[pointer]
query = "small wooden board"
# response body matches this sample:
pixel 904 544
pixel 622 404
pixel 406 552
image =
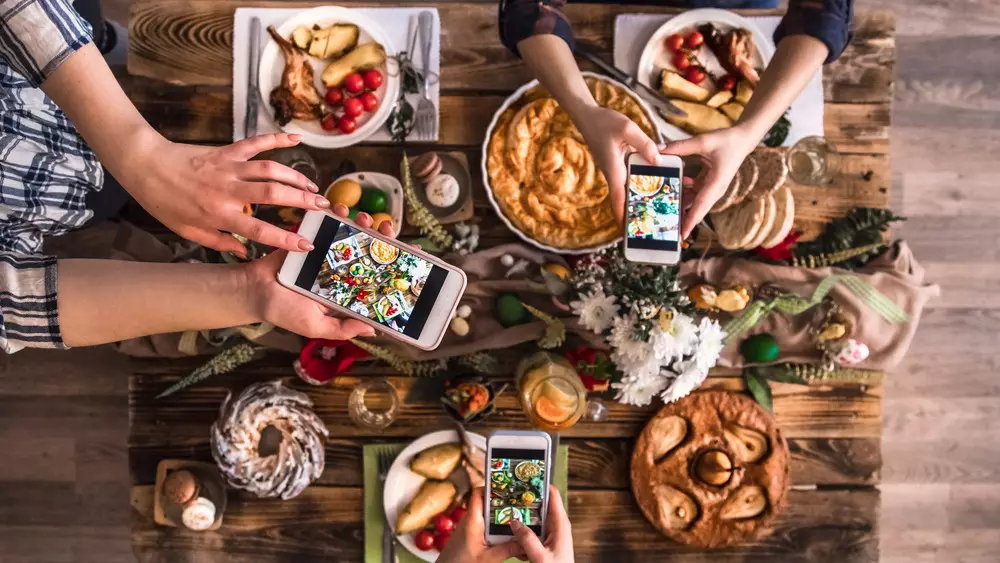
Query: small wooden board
pixel 169 514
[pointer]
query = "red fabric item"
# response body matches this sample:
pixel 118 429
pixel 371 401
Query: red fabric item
pixel 321 360
pixel 587 357
pixel 779 252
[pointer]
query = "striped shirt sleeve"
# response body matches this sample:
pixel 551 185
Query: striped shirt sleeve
pixel 29 313
pixel 36 36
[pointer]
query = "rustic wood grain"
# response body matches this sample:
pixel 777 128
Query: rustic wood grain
pixel 836 525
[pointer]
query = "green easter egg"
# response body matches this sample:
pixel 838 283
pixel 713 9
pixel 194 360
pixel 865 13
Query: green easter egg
pixel 759 348
pixel 352 213
pixel 509 310
pixel 373 201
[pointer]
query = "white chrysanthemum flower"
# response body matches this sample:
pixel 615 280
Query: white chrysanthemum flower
pixel 710 343
pixel 596 311
pixel 684 331
pixel 690 376
pixel 639 391
pixel 629 351
pixel 666 347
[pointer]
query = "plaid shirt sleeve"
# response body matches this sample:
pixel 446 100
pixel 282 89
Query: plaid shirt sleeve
pixel 36 36
pixel 826 20
pixel 29 315
pixel 520 19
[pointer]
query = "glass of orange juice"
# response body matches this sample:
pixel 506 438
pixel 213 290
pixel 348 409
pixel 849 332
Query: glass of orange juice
pixel 550 391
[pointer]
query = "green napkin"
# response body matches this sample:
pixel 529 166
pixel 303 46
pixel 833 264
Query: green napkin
pixel 375 514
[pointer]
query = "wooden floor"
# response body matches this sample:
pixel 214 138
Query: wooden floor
pixel 63 416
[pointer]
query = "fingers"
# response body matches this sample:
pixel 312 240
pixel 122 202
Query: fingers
pixel 616 190
pixel 351 328
pixel 684 147
pixel 341 210
pixel 249 148
pixel 385 227
pixel 503 552
pixel 264 170
pixel 276 193
pixel 255 229
pixel 528 541
pixel 364 220
pixel 639 141
pixel 219 241
pixel 702 204
pixel 558 521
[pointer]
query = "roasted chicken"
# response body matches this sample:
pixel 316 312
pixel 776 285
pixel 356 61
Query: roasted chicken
pixel 734 49
pixel 297 97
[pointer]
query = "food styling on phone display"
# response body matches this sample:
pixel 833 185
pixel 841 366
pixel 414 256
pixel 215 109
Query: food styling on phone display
pixel 400 290
pixel 518 482
pixel 653 211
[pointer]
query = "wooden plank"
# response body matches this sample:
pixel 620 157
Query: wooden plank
pixel 204 114
pixel 190 42
pixel 325 522
pixel 593 464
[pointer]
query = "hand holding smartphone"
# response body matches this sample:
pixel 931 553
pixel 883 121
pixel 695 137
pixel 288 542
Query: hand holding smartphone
pixel 399 290
pixel 653 209
pixel 517 483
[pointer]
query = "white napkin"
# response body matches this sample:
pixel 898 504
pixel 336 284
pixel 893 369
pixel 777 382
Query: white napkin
pixel 394 21
pixel 632 32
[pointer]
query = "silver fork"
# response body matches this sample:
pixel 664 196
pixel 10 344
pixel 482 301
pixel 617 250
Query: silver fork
pixel 385 459
pixel 425 119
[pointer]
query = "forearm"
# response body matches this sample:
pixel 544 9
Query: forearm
pixel 88 92
pixel 553 64
pixel 793 65
pixel 104 301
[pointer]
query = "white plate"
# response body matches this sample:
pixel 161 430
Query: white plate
pixel 655 56
pixel 486 176
pixel 272 63
pixel 404 483
pixel 389 185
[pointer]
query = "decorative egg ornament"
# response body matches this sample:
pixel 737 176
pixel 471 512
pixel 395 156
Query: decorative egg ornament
pixel 760 348
pixel 853 352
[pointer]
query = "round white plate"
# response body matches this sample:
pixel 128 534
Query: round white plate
pixel 486 177
pixel 272 63
pixel 389 185
pixel 401 485
pixel 655 56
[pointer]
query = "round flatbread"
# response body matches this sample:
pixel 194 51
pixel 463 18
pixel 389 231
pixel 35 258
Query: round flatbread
pixel 739 224
pixel 766 223
pixel 726 201
pixel 773 171
pixel 784 217
pixel 749 172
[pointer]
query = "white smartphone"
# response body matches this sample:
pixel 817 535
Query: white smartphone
pixel 517 482
pixel 653 209
pixel 399 290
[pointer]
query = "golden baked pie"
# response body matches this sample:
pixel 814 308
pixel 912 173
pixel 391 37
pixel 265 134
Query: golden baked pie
pixel 383 253
pixel 542 174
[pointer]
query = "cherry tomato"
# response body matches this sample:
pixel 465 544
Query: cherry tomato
pixel 694 40
pixel 681 61
pixel 346 124
pixel 328 123
pixel 373 79
pixel 353 107
pixel 695 74
pixel 370 101
pixel 458 514
pixel 424 540
pixel 443 524
pixel 353 83
pixel 441 540
pixel 674 42
pixel 334 97
pixel 727 82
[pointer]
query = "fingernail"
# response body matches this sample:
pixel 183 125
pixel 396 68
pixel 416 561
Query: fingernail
pixel 295 137
pixel 305 245
pixel 515 525
pixel 370 332
pixel 322 202
pixel 313 188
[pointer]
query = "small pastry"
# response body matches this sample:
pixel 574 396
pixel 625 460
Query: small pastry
pixel 443 190
pixel 199 514
pixel 180 486
pixel 426 166
pixel 464 311
pixel 460 326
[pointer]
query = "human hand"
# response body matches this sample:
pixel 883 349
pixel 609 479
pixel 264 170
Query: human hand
pixel 558 544
pixel 468 542
pixel 611 137
pixel 722 152
pixel 198 191
pixel 280 306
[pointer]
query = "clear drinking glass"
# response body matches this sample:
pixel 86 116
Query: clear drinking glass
pixel 374 403
pixel 813 161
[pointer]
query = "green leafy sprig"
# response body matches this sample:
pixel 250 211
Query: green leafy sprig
pixel 862 226
pixel 420 216
pixel 224 362
pixel 400 364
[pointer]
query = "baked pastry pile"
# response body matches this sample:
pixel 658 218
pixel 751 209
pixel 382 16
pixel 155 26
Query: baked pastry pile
pixel 542 173
pixel 758 208
pixel 711 469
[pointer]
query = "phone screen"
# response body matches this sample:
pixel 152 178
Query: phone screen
pixel 373 278
pixel 653 212
pixel 517 489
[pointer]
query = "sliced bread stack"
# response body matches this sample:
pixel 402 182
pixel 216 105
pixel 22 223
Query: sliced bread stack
pixel 757 209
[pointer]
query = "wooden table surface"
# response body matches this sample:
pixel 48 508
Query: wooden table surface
pixel 180 78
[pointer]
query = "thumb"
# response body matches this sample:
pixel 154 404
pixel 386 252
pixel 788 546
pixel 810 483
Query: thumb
pixel 502 552
pixel 684 147
pixel 639 141
pixel 352 328
pixel 528 541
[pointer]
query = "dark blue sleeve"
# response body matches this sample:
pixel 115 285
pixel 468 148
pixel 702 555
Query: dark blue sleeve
pixel 520 19
pixel 826 20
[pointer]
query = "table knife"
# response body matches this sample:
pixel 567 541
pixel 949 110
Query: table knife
pixel 589 52
pixel 253 96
